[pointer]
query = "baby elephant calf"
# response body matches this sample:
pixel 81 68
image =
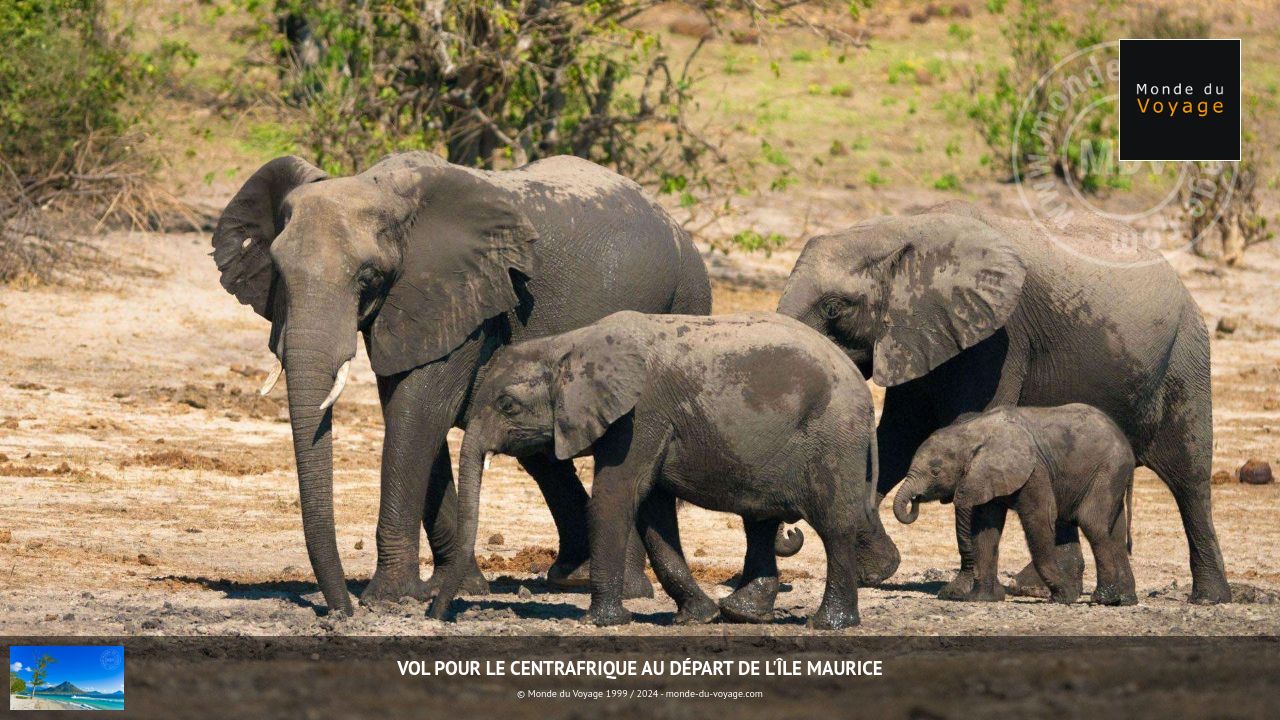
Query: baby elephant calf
pixel 754 414
pixel 1067 465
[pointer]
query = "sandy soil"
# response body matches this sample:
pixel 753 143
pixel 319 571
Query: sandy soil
pixel 148 490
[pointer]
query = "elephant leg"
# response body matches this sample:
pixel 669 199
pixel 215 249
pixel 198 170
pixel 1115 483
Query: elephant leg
pixel 1027 583
pixel 988 525
pixel 440 520
pixel 839 607
pixel 626 467
pixel 661 533
pixel 905 423
pixel 1108 537
pixel 612 517
pixel 562 489
pixel 752 601
pixel 1038 514
pixel 962 584
pixel 419 408
pixel 1185 467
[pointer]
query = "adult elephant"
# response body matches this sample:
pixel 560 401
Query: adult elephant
pixel 437 265
pixel 957 310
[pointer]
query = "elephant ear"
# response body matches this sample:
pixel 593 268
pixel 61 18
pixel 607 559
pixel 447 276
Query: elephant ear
pixel 466 250
pixel 596 382
pixel 248 226
pixel 953 281
pixel 1000 465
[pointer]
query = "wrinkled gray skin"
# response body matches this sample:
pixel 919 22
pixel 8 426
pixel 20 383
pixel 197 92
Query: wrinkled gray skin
pixel 958 310
pixel 753 414
pixel 1058 468
pixel 437 265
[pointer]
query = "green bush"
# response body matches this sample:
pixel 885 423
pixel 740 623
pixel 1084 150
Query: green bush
pixel 484 83
pixel 947 182
pixel 16 684
pixel 72 95
pixel 1008 103
pixel 64 77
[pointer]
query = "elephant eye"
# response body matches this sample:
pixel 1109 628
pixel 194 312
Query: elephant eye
pixel 934 470
pixel 833 308
pixel 507 405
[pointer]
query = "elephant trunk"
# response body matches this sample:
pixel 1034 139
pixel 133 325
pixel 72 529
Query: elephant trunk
pixel 787 543
pixel 907 495
pixel 314 357
pixel 471 464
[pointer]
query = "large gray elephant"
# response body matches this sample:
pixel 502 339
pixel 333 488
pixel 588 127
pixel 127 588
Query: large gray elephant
pixel 957 310
pixel 437 265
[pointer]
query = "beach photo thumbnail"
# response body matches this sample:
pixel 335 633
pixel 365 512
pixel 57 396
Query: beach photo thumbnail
pixel 66 677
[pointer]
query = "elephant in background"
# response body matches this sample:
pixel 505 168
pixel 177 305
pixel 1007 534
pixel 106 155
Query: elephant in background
pixel 437 265
pixel 752 413
pixel 958 310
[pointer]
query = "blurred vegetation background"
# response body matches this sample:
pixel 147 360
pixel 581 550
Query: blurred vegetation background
pixel 744 116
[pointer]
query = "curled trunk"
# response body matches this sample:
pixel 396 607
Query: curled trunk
pixel 787 543
pixel 471 463
pixel 907 495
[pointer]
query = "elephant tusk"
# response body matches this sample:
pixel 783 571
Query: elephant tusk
pixel 339 383
pixel 272 378
pixel 487 457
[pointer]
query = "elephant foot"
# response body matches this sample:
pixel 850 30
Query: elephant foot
pixel 993 593
pixel 1210 593
pixel 385 589
pixel 1112 595
pixel 569 575
pixel 959 588
pixel 608 615
pixel 831 619
pixel 1027 583
pixel 574 576
pixel 878 560
pixel 752 602
pixel 1063 596
pixel 698 611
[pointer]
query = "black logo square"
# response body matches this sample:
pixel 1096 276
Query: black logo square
pixel 1180 99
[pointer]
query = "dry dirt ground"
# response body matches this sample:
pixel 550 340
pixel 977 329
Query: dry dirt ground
pixel 146 489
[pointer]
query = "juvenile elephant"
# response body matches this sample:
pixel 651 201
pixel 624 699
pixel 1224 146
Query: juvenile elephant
pixel 436 265
pixel 958 310
pixel 1058 468
pixel 753 414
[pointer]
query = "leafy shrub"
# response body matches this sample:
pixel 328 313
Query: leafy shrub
pixel 501 83
pixel 1009 104
pixel 16 684
pixel 485 83
pixel 750 240
pixel 68 140
pixel 948 181
pixel 1222 209
pixel 1162 22
pixel 62 74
